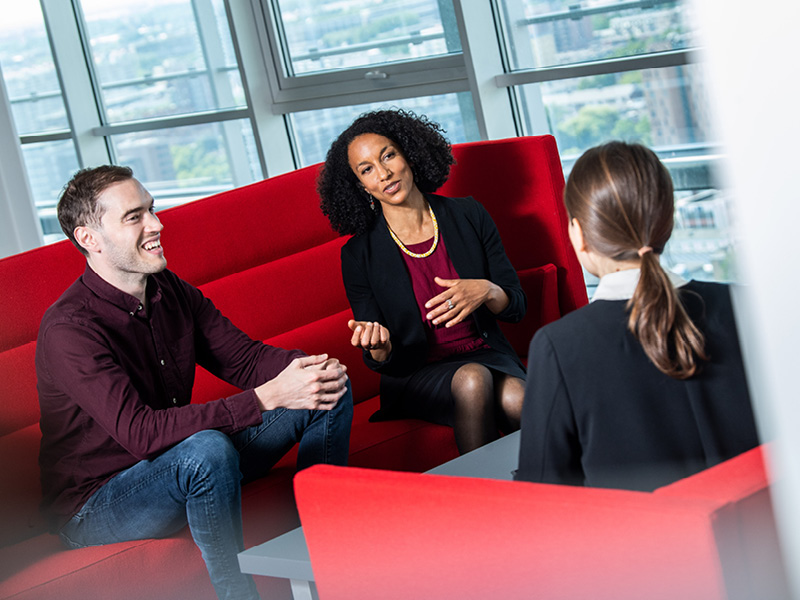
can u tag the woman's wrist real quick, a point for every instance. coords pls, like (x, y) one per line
(381, 354)
(496, 298)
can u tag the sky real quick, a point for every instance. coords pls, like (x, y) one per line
(24, 13)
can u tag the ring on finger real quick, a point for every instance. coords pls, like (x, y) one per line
(450, 304)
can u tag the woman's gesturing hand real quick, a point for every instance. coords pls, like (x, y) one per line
(373, 337)
(463, 297)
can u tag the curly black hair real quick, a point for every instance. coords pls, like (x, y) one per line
(420, 140)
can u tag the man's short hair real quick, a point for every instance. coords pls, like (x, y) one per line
(78, 204)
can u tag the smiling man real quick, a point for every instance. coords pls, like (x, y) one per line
(124, 454)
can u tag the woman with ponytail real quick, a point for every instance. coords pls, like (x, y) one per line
(646, 384)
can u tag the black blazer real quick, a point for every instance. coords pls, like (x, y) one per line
(597, 412)
(379, 288)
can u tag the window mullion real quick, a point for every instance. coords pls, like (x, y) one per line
(20, 228)
(221, 89)
(272, 136)
(493, 108)
(75, 77)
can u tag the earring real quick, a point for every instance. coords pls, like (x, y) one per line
(371, 202)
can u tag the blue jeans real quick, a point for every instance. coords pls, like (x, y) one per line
(199, 482)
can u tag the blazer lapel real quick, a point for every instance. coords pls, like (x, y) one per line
(392, 283)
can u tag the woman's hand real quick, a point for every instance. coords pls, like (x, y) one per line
(463, 297)
(373, 337)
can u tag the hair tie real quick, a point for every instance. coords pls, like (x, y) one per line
(644, 250)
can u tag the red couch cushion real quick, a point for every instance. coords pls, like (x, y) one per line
(427, 536)
(21, 491)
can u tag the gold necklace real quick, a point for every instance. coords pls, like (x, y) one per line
(435, 238)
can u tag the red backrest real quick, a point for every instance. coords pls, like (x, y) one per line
(405, 535)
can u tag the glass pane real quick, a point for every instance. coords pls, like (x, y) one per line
(185, 163)
(29, 71)
(315, 130)
(154, 58)
(49, 165)
(661, 108)
(322, 36)
(667, 110)
(543, 33)
(702, 245)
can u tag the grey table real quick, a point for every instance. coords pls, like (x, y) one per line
(286, 556)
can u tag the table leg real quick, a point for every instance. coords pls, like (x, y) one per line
(304, 590)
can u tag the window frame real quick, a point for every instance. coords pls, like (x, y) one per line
(382, 82)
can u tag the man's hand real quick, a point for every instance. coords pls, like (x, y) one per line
(307, 383)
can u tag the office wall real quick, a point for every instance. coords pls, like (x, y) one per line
(751, 55)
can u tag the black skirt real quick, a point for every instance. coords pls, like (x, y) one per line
(426, 394)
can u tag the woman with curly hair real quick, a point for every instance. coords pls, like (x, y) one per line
(645, 385)
(427, 278)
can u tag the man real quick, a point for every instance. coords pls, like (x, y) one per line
(124, 453)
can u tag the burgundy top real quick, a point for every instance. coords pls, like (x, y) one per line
(115, 380)
(442, 341)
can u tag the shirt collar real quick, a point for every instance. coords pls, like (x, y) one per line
(620, 285)
(117, 297)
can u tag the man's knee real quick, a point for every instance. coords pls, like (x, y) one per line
(211, 451)
(345, 404)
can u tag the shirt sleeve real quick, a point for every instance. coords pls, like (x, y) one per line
(228, 352)
(79, 360)
(550, 450)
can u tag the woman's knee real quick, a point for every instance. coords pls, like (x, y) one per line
(511, 395)
(472, 382)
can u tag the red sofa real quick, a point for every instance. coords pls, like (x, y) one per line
(707, 537)
(267, 257)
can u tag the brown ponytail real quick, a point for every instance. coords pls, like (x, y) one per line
(622, 196)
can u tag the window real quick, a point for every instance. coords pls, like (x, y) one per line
(549, 33)
(160, 90)
(591, 72)
(327, 36)
(156, 60)
(202, 95)
(332, 61)
(315, 130)
(38, 109)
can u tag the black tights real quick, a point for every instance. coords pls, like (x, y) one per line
(485, 402)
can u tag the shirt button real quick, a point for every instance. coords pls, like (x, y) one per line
(174, 400)
(163, 362)
(140, 307)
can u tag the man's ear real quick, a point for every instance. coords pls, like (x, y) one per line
(87, 238)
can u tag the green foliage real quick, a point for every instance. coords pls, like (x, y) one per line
(384, 27)
(595, 124)
(202, 162)
(634, 77)
(597, 81)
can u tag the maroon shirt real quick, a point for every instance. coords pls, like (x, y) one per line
(442, 341)
(115, 380)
